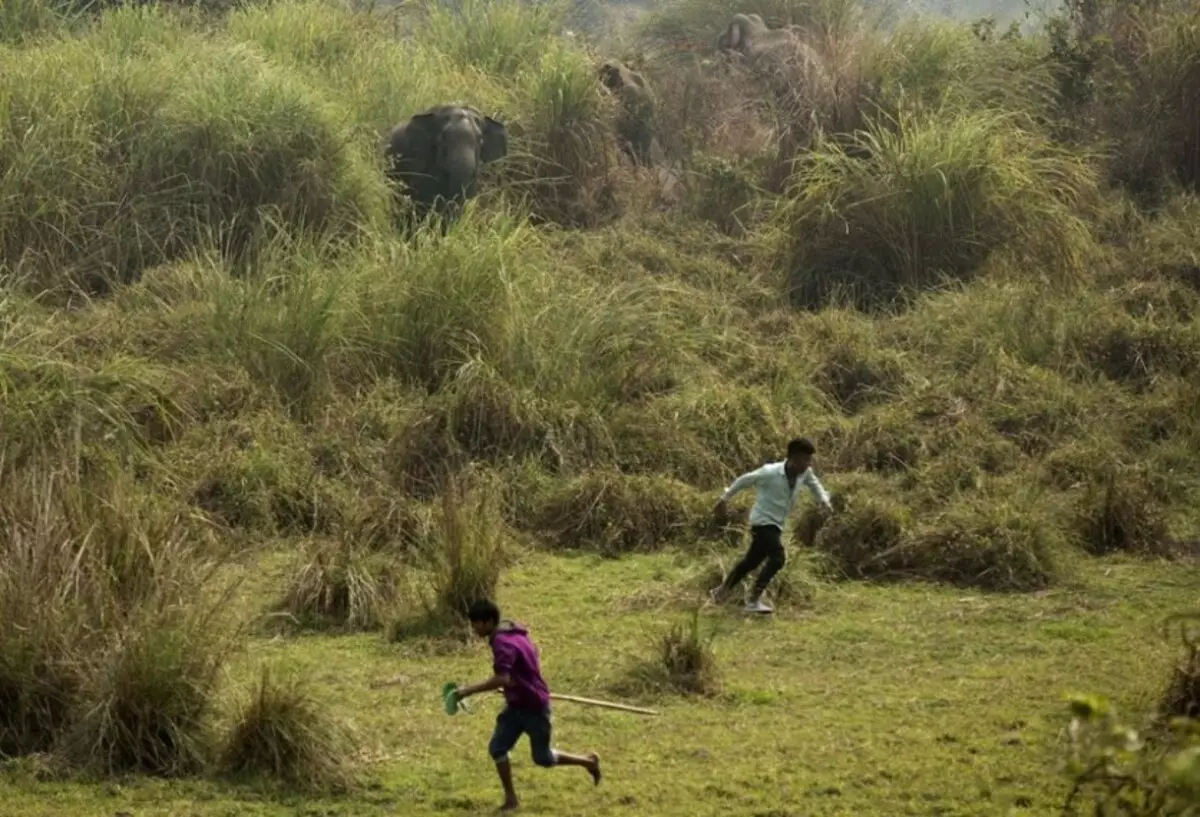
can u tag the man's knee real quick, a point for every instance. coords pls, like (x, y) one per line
(544, 756)
(498, 749)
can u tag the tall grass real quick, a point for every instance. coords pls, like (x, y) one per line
(935, 197)
(134, 172)
(111, 640)
(288, 365)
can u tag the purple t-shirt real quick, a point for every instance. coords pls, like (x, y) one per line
(513, 653)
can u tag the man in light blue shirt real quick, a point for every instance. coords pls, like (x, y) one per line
(775, 486)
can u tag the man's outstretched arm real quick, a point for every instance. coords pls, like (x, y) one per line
(817, 489)
(740, 484)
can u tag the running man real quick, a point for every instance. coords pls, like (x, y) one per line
(516, 669)
(775, 485)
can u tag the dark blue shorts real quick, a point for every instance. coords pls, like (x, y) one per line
(512, 723)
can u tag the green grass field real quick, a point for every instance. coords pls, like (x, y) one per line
(909, 699)
(252, 433)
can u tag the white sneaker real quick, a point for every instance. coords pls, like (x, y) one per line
(717, 594)
(757, 606)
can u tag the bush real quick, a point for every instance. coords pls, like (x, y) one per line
(1151, 768)
(283, 733)
(617, 514)
(937, 195)
(111, 639)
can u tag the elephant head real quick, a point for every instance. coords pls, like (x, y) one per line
(437, 154)
(636, 114)
(615, 76)
(742, 31)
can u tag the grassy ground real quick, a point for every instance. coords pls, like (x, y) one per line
(906, 699)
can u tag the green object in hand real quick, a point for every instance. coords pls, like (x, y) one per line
(449, 700)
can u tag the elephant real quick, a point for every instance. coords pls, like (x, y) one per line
(747, 34)
(436, 156)
(635, 120)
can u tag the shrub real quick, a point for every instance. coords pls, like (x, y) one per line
(1152, 767)
(934, 198)
(617, 514)
(283, 733)
(1114, 765)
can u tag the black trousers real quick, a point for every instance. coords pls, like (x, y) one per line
(766, 544)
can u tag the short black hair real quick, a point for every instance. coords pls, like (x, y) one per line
(801, 446)
(484, 610)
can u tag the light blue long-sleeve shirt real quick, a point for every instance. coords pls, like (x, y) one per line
(773, 498)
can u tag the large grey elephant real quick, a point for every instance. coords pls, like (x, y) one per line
(436, 155)
(635, 117)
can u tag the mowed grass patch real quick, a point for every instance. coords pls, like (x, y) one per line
(874, 693)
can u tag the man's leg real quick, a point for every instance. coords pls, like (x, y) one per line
(539, 728)
(504, 737)
(753, 558)
(776, 558)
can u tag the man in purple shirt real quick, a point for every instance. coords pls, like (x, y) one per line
(516, 669)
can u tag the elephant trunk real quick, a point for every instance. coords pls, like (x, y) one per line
(459, 166)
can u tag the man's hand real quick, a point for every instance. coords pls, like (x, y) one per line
(720, 510)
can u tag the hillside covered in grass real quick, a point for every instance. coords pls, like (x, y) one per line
(241, 405)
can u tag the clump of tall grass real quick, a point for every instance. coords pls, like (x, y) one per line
(340, 585)
(469, 547)
(979, 542)
(136, 172)
(565, 171)
(23, 20)
(283, 733)
(1118, 514)
(473, 546)
(861, 537)
(614, 514)
(681, 660)
(112, 640)
(150, 690)
(498, 37)
(933, 199)
(932, 65)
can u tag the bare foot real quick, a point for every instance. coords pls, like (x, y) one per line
(594, 768)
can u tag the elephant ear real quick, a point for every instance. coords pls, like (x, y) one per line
(415, 140)
(495, 140)
(731, 36)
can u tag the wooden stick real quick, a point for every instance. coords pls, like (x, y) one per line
(605, 704)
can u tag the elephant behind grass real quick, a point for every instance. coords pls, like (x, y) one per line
(434, 158)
